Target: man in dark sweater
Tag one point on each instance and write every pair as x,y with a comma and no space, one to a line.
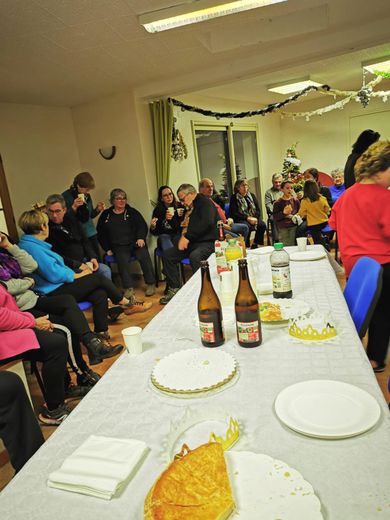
199,232
69,239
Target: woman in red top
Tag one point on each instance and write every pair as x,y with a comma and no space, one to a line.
361,218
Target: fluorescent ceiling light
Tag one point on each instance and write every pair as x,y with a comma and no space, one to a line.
382,65
289,87
197,11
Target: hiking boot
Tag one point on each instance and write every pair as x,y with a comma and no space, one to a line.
150,289
168,297
75,392
136,306
99,348
129,293
114,313
54,417
87,378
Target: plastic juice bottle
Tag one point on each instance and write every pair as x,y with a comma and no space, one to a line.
280,268
232,252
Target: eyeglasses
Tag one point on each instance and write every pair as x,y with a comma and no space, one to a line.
56,211
120,198
183,199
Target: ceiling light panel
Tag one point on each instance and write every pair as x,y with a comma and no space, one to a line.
195,12
293,86
382,65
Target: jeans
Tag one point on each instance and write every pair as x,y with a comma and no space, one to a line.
240,229
172,257
123,255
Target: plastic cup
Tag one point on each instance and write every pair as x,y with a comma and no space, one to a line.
180,211
171,210
302,243
81,196
132,339
227,292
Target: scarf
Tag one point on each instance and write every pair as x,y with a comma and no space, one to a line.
246,206
9,268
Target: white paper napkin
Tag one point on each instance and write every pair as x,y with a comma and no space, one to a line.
100,467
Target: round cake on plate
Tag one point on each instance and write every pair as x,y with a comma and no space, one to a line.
193,371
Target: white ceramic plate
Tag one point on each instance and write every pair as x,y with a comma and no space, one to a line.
269,489
194,370
307,256
290,308
327,409
263,250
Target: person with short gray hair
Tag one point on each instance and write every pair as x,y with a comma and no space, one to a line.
271,196
68,238
338,187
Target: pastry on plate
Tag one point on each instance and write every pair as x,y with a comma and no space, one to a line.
195,486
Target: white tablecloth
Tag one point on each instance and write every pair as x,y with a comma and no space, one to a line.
351,476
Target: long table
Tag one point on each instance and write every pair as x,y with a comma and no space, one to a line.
351,477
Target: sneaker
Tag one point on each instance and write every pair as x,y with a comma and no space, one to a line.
136,306
150,289
114,313
75,392
54,417
129,293
168,297
88,378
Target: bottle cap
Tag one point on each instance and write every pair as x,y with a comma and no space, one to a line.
232,241
204,264
278,246
242,261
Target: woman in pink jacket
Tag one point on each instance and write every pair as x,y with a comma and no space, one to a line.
26,337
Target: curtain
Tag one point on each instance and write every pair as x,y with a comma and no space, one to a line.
162,119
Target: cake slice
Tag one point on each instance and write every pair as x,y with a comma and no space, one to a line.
194,486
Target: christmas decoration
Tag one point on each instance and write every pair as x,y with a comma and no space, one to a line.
179,149
290,171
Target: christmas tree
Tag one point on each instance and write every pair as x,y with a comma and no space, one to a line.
290,171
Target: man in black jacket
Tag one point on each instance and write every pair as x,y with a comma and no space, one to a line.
199,232
69,239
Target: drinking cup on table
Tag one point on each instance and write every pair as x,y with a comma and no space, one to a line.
227,292
132,339
171,210
180,211
302,243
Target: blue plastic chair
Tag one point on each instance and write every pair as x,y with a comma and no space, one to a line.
362,292
157,271
227,209
84,306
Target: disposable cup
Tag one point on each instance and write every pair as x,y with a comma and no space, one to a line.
81,196
302,243
180,211
171,210
132,339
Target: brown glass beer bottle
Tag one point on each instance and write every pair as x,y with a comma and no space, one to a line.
247,311
209,311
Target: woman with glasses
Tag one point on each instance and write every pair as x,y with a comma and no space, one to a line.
122,232
166,218
244,208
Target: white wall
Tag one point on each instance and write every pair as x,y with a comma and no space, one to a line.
325,141
39,152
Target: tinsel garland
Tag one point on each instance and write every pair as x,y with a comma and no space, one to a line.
250,113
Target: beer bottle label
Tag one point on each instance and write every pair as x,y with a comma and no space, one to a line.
248,332
207,331
281,280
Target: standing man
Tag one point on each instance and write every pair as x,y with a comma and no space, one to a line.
206,188
199,232
271,196
284,209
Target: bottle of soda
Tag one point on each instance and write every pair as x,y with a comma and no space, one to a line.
209,311
247,311
280,267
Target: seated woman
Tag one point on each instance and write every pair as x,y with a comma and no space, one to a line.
315,209
24,337
15,265
361,218
122,232
55,278
338,187
165,223
244,208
